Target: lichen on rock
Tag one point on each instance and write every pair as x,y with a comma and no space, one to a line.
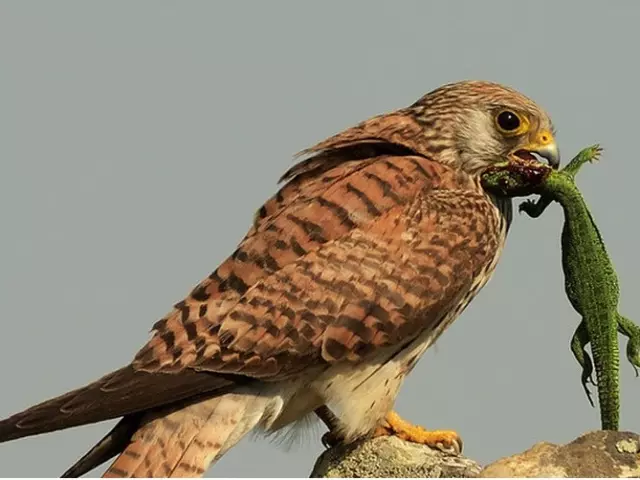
391,457
594,454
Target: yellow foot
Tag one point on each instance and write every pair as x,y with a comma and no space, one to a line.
445,440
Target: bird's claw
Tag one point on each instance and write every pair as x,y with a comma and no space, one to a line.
330,440
446,441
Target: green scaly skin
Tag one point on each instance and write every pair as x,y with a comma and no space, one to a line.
591,282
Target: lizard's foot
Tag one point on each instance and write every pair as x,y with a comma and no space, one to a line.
526,206
590,154
532,208
446,441
629,329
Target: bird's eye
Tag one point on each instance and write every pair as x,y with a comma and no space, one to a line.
508,121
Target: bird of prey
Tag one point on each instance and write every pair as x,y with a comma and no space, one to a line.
375,243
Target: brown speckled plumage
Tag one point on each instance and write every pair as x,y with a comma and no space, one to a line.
373,246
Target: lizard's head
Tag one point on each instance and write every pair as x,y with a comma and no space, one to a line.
516,178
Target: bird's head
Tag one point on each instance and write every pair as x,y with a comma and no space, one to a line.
468,125
473,125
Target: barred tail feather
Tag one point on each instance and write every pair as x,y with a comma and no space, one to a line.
185,442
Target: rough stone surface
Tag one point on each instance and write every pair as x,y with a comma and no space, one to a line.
594,454
391,457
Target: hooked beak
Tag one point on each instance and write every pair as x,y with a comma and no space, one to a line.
543,145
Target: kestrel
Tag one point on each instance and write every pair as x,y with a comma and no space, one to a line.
375,243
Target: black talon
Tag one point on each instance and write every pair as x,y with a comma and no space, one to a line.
330,439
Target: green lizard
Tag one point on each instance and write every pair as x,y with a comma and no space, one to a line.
591,282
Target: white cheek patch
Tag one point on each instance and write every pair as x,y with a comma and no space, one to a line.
478,142
481,134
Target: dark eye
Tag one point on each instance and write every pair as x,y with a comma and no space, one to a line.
508,121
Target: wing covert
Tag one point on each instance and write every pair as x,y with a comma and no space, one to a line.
376,284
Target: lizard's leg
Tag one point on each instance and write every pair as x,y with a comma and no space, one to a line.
630,330
589,154
444,440
535,208
580,340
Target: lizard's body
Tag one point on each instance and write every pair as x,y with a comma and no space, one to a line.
591,282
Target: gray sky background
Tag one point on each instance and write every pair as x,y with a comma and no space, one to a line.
138,139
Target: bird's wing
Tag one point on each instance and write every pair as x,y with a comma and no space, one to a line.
270,308
122,392
348,271
410,269
327,258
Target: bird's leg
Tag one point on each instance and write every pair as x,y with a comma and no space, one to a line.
445,440
332,437
578,342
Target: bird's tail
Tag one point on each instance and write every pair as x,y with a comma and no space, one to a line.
121,393
184,442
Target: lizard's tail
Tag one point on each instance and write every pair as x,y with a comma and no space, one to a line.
606,357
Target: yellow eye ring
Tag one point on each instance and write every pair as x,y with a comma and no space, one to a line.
509,123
